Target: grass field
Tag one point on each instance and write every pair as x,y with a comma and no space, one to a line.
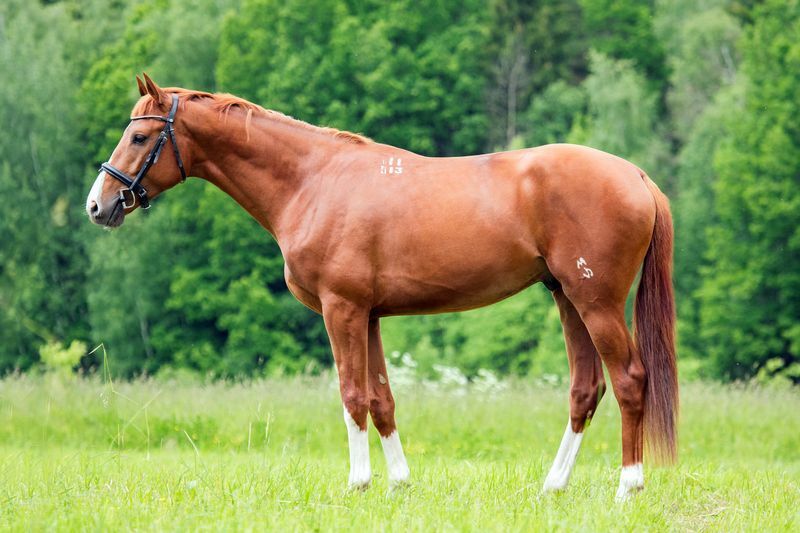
272,455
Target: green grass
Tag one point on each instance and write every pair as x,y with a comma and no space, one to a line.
272,455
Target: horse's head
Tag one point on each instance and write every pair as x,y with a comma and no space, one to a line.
138,170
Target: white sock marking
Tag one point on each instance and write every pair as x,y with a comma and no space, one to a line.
395,459
631,480
359,453
558,477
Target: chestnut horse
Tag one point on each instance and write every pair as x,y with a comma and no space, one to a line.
368,230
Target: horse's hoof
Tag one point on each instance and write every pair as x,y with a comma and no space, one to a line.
398,485
359,477
555,482
625,494
358,486
631,481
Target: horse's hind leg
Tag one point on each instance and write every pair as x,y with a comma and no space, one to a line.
381,408
586,388
614,343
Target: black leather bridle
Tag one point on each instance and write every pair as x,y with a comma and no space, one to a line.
135,189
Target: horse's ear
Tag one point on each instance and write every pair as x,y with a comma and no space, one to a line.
156,92
142,88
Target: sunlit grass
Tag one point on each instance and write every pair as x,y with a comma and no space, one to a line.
151,455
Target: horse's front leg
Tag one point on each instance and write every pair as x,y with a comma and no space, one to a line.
381,407
346,323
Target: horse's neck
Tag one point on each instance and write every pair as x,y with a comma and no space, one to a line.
262,165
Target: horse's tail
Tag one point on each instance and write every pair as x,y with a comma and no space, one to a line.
654,333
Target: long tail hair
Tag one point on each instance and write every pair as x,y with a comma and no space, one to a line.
654,334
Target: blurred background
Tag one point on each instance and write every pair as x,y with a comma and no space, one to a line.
702,94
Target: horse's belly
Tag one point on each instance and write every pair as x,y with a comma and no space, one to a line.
457,285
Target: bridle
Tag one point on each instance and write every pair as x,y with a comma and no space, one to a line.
135,189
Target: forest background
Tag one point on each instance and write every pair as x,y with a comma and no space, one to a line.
702,94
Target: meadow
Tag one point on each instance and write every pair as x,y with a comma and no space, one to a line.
83,454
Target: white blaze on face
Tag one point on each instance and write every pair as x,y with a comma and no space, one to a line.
395,459
97,190
359,453
558,477
631,480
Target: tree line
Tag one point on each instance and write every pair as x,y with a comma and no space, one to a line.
703,95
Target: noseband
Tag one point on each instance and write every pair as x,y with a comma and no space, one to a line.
135,189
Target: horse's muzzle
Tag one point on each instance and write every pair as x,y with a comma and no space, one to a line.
110,217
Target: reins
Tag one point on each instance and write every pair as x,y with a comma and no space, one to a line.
135,189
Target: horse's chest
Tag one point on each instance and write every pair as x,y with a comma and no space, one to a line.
301,290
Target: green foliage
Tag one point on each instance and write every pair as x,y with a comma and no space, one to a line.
107,93
693,207
623,30
532,45
706,60
776,373
701,38
750,305
187,53
42,267
622,116
62,359
393,71
552,113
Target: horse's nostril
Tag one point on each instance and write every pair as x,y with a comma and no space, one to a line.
94,209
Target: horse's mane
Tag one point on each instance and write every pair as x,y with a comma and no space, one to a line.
224,102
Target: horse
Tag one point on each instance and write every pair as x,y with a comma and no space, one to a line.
368,230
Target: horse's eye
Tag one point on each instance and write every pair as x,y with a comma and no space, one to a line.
139,138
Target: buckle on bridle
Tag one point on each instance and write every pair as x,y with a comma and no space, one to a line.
128,198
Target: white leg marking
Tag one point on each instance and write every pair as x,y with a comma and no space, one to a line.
395,459
97,190
558,477
631,480
359,453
